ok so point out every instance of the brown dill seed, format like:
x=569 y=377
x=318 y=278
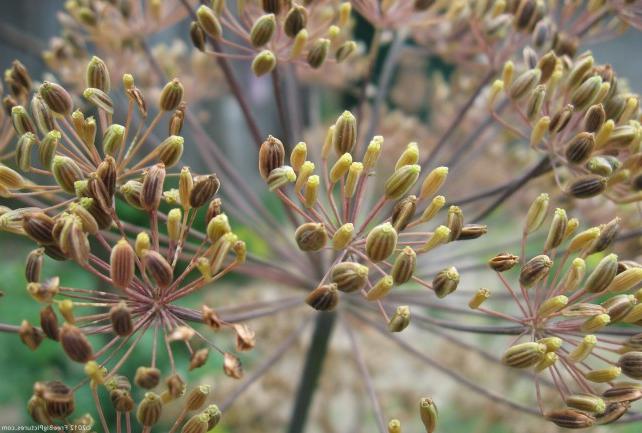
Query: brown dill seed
x=42 y=115
x=49 y=323
x=401 y=181
x=445 y=282
x=535 y=270
x=503 y=262
x=594 y=118
x=171 y=150
x=318 y=52
x=273 y=6
x=580 y=147
x=631 y=364
x=612 y=413
x=75 y=344
x=295 y=20
x=197 y=397
x=472 y=231
x=344 y=135
x=30 y=336
x=525 y=83
x=570 y=418
x=149 y=410
x=608 y=233
x=39 y=227
x=349 y=276
x=404 y=266
x=66 y=172
x=323 y=298
x=587 y=186
x=602 y=275
x=121 y=320
x=271 y=156
x=147 y=377
x=158 y=268
x=561 y=119
x=122 y=400
x=623 y=392
x=232 y=366
x=586 y=403
x=557 y=230
x=97 y=75
x=311 y=236
x=108 y=173
x=152 y=187
x=122 y=262
x=198 y=359
x=619 y=306
x=56 y=98
x=197 y=35
x=381 y=242
x=403 y=212
x=58 y=398
x=171 y=95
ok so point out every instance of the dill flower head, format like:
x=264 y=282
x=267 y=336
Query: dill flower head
x=571 y=298
x=363 y=228
x=582 y=117
x=276 y=32
x=81 y=192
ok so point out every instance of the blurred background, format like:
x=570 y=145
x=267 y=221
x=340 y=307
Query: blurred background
x=25 y=27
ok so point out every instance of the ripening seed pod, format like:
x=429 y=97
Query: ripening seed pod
x=352 y=179
x=622 y=392
x=587 y=186
x=602 y=275
x=197 y=397
x=149 y=410
x=607 y=235
x=158 y=268
x=345 y=50
x=440 y=236
x=271 y=156
x=24 y=148
x=525 y=83
x=30 y=336
x=603 y=375
x=323 y=298
x=75 y=344
x=280 y=177
x=263 y=30
x=394 y=426
x=503 y=262
x=403 y=211
x=121 y=319
x=66 y=172
x=600 y=165
x=380 y=289
x=56 y=97
x=433 y=182
x=318 y=52
x=58 y=398
x=381 y=242
x=197 y=35
x=561 y=119
x=295 y=21
x=97 y=75
x=620 y=306
x=536 y=213
x=535 y=102
x=122 y=264
x=49 y=323
x=344 y=136
x=203 y=190
x=349 y=276
x=586 y=94
x=217 y=227
x=580 y=147
x=584 y=349
x=400 y=319
x=39 y=227
x=401 y=181
x=594 y=118
x=170 y=150
x=311 y=191
x=299 y=43
x=429 y=414
x=557 y=230
x=311 y=236
x=570 y=418
x=552 y=344
x=625 y=281
x=343 y=236
x=479 y=298
x=21 y=121
x=433 y=208
x=152 y=187
x=373 y=151
x=42 y=115
x=196 y=424
x=100 y=99
x=595 y=323
x=535 y=270
x=631 y=364
x=404 y=266
x=612 y=413
x=549 y=359
x=455 y=222
x=214 y=416
x=340 y=168
x=524 y=355
x=33 y=267
x=171 y=95
x=147 y=377
x=209 y=22
x=48 y=147
x=552 y=305
x=174 y=224
x=445 y=282
x=305 y=171
x=409 y=156
x=298 y=156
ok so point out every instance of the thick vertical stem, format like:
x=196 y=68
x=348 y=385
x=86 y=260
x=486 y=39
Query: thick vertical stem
x=312 y=371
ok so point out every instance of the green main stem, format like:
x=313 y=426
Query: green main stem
x=323 y=328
